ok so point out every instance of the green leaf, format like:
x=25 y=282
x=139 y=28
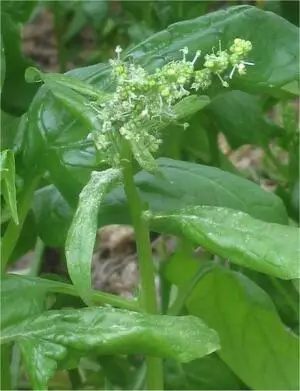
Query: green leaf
x=16 y=94
x=255 y=344
x=95 y=11
x=206 y=373
x=26 y=240
x=56 y=80
x=187 y=184
x=53 y=216
x=266 y=247
x=2 y=64
x=9 y=131
x=72 y=94
x=247 y=125
x=79 y=252
x=36 y=286
x=21 y=13
x=7 y=170
x=57 y=130
x=20 y=299
x=275 y=56
x=46 y=340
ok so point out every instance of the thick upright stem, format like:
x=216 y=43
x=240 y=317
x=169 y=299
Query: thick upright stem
x=146 y=266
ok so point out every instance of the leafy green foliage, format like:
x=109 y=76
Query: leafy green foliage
x=84 y=225
x=45 y=339
x=61 y=183
x=242 y=128
x=237 y=236
x=8 y=190
x=207 y=30
x=16 y=95
x=246 y=321
x=206 y=373
x=26 y=294
x=186 y=183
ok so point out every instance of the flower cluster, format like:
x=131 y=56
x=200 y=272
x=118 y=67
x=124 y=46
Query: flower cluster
x=140 y=96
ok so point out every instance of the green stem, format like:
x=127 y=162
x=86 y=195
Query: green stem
x=146 y=266
x=13 y=230
x=100 y=297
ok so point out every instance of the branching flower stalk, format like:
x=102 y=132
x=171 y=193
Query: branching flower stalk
x=140 y=97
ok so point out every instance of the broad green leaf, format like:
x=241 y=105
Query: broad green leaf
x=37 y=288
x=52 y=128
x=8 y=189
x=283 y=294
x=79 y=252
x=46 y=340
x=72 y=94
x=9 y=130
x=186 y=184
x=94 y=11
x=21 y=13
x=275 y=56
x=20 y=299
x=247 y=125
x=16 y=94
x=181 y=184
x=296 y=283
x=56 y=80
x=52 y=214
x=206 y=373
x=59 y=141
x=255 y=344
x=26 y=240
x=266 y=247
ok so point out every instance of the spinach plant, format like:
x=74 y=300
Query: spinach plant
x=135 y=141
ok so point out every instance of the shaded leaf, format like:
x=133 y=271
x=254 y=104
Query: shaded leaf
x=53 y=216
x=16 y=94
x=20 y=299
x=206 y=373
x=275 y=56
x=21 y=13
x=255 y=344
x=247 y=125
x=186 y=184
